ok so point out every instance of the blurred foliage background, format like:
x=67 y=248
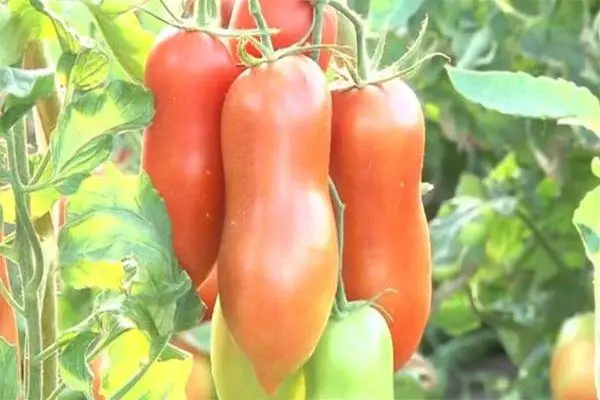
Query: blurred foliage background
x=509 y=264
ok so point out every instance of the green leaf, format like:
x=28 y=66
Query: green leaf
x=455 y=315
x=90 y=69
x=587 y=221
x=74 y=370
x=20 y=23
x=128 y=41
x=9 y=378
x=120 y=219
x=396 y=13
x=521 y=94
x=85 y=131
x=19 y=90
x=166 y=378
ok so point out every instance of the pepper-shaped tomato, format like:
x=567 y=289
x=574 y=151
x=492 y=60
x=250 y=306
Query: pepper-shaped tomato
x=378 y=140
x=278 y=260
x=233 y=375
x=572 y=364
x=189 y=74
x=354 y=359
x=293 y=18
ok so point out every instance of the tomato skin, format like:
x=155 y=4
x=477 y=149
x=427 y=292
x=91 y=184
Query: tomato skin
x=226 y=10
x=189 y=74
x=573 y=360
x=278 y=257
x=208 y=293
x=293 y=18
x=354 y=359
x=378 y=140
x=232 y=371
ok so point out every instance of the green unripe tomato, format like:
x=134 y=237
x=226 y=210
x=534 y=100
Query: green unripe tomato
x=353 y=360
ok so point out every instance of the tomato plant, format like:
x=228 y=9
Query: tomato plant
x=211 y=148
x=187 y=141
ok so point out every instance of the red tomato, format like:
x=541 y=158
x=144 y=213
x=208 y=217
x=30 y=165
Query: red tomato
x=278 y=260
x=573 y=360
x=294 y=19
x=378 y=140
x=208 y=293
x=189 y=74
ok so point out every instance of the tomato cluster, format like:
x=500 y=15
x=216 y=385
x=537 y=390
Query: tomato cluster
x=242 y=155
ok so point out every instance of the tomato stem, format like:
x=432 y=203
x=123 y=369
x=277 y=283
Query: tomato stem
x=361 y=43
x=317 y=35
x=341 y=302
x=261 y=23
x=202 y=12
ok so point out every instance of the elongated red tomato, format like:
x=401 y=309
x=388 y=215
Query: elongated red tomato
x=278 y=257
x=378 y=140
x=189 y=74
x=294 y=20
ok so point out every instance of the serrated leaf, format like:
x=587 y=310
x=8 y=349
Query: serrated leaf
x=74 y=370
x=120 y=219
x=9 y=378
x=128 y=41
x=521 y=94
x=90 y=69
x=19 y=90
x=164 y=379
x=41 y=201
x=85 y=131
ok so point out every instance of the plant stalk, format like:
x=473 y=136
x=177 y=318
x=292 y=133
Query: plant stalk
x=362 y=63
x=317 y=34
x=261 y=23
x=27 y=242
x=48 y=111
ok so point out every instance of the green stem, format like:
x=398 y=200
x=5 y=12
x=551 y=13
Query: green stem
x=340 y=295
x=140 y=374
x=317 y=35
x=26 y=241
x=361 y=42
x=261 y=23
x=202 y=11
x=5 y=292
x=541 y=239
x=48 y=110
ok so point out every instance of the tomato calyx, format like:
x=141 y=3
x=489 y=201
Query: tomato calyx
x=265 y=46
x=208 y=25
x=367 y=70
